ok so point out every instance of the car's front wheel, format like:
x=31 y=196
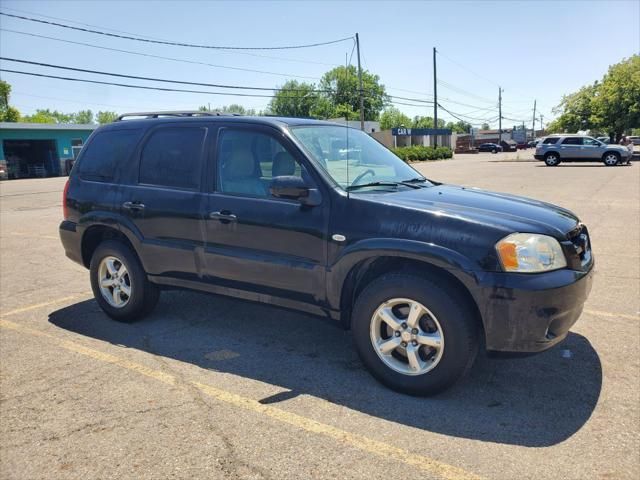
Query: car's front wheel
x=552 y=159
x=119 y=283
x=611 y=159
x=413 y=335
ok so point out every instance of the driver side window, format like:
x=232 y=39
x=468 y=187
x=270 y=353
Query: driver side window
x=248 y=160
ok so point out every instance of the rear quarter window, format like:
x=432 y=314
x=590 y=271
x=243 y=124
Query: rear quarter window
x=106 y=152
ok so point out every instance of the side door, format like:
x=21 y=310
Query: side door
x=593 y=149
x=164 y=201
x=571 y=148
x=255 y=241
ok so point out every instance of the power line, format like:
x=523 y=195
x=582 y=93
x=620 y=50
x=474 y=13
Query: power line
x=130 y=52
x=172 y=43
x=153 y=79
x=163 y=89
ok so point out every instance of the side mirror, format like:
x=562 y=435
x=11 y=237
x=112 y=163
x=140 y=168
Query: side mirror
x=294 y=188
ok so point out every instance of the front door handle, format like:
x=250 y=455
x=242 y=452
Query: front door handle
x=224 y=216
x=133 y=206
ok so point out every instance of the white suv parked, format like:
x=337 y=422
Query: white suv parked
x=580 y=148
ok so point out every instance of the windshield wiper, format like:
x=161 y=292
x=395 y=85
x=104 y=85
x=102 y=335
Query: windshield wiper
x=415 y=180
x=381 y=184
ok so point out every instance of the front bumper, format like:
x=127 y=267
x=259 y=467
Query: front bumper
x=531 y=312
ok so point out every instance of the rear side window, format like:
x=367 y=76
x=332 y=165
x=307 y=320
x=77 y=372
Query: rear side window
x=550 y=140
x=105 y=152
x=172 y=157
x=572 y=141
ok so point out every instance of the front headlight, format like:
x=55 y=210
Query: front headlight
x=530 y=253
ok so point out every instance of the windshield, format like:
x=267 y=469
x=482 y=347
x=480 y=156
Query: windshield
x=352 y=158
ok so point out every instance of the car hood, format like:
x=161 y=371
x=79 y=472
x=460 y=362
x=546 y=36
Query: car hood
x=504 y=212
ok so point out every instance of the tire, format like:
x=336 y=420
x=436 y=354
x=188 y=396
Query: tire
x=611 y=159
x=552 y=159
x=494 y=151
x=445 y=314
x=143 y=295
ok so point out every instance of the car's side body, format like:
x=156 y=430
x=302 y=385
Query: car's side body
x=580 y=148
x=489 y=147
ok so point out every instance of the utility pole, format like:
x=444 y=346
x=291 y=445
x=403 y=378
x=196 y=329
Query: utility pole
x=541 y=124
x=499 y=115
x=534 y=121
x=435 y=98
x=361 y=93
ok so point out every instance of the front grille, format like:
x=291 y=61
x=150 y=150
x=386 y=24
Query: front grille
x=581 y=243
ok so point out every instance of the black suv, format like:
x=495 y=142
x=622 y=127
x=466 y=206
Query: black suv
x=319 y=217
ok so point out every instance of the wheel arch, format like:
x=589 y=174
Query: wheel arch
x=367 y=268
x=96 y=234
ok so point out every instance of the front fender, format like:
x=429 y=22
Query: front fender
x=451 y=261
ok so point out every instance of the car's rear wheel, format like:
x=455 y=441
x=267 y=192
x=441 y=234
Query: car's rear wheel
x=494 y=151
x=611 y=159
x=413 y=335
x=552 y=159
x=119 y=283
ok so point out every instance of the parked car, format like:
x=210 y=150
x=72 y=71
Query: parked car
x=423 y=273
x=555 y=149
x=634 y=139
x=490 y=147
x=533 y=143
x=522 y=146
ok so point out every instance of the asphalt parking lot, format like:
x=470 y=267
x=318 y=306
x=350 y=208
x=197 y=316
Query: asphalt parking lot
x=210 y=387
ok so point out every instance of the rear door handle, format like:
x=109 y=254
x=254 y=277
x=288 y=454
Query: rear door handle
x=133 y=206
x=224 y=216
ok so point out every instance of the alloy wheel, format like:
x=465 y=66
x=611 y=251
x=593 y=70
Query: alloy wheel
x=407 y=336
x=114 y=282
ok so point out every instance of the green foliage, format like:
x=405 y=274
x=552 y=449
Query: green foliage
x=485 y=126
x=611 y=105
x=341 y=85
x=294 y=99
x=233 y=108
x=459 y=127
x=393 y=118
x=106 y=117
x=417 y=153
x=83 y=116
x=7 y=112
x=47 y=116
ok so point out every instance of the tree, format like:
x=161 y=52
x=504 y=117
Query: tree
x=393 y=118
x=485 y=126
x=233 y=108
x=48 y=116
x=611 y=105
x=7 y=112
x=106 y=117
x=294 y=99
x=459 y=127
x=426 y=122
x=340 y=87
x=83 y=116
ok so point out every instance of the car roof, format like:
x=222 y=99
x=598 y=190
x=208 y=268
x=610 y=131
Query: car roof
x=278 y=122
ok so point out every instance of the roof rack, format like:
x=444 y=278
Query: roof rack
x=178 y=113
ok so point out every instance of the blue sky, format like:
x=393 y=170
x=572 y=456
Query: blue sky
x=534 y=50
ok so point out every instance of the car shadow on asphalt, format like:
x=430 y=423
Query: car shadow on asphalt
x=534 y=401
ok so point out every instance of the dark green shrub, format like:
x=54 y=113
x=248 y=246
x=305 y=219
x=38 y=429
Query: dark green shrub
x=417 y=153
